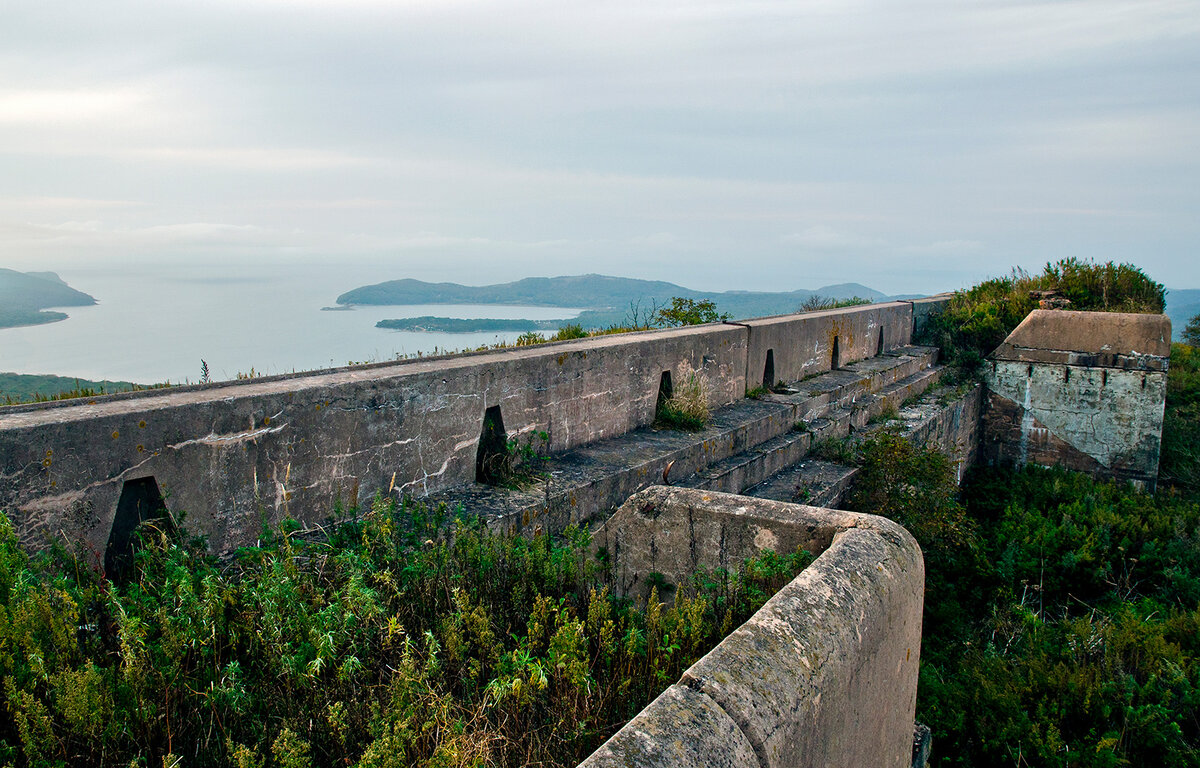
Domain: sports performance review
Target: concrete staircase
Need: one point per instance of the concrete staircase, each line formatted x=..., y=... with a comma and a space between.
x=749, y=444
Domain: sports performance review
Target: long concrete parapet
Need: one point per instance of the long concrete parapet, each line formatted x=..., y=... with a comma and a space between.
x=824, y=674
x=239, y=455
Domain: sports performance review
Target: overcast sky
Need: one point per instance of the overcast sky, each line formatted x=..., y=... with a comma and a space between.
x=910, y=146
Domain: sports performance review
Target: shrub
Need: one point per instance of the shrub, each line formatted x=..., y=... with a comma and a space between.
x=1191, y=332
x=688, y=312
x=978, y=319
x=570, y=331
x=818, y=302
x=409, y=637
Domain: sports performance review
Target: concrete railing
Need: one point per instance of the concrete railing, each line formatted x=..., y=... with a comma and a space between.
x=825, y=674
x=239, y=454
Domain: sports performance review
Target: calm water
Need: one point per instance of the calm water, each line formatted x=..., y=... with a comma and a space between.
x=158, y=326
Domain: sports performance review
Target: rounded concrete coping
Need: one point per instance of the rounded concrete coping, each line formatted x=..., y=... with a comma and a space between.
x=824, y=674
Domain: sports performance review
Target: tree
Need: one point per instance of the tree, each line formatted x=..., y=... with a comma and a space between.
x=1191, y=332
x=688, y=312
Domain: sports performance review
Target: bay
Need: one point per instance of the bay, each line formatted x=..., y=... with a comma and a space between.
x=156, y=325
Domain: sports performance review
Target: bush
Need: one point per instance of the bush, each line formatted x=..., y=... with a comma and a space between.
x=978, y=319
x=817, y=302
x=1191, y=332
x=570, y=331
x=688, y=312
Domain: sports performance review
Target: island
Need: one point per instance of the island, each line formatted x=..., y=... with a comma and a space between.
x=24, y=297
x=604, y=301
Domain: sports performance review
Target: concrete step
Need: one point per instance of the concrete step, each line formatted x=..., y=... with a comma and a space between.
x=940, y=417
x=815, y=482
x=812, y=398
x=751, y=467
x=745, y=443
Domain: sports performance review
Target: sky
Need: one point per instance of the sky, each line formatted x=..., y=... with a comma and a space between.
x=909, y=146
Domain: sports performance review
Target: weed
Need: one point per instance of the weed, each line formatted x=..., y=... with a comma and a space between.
x=888, y=412
x=839, y=451
x=686, y=409
x=757, y=392
x=801, y=426
x=519, y=465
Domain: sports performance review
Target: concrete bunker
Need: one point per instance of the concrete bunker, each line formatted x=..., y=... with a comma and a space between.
x=492, y=456
x=1059, y=364
x=140, y=502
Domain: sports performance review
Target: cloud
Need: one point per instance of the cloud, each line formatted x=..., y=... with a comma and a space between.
x=944, y=248
x=822, y=237
x=532, y=132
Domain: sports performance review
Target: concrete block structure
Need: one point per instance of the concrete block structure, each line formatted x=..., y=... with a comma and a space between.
x=824, y=674
x=240, y=455
x=1081, y=390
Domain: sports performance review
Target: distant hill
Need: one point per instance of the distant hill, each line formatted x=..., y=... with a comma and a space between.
x=609, y=298
x=1182, y=305
x=25, y=295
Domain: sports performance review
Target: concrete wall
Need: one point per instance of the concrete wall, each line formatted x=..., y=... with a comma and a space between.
x=923, y=309
x=825, y=674
x=1106, y=421
x=803, y=345
x=237, y=455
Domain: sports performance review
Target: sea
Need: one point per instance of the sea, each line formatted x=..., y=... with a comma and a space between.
x=157, y=325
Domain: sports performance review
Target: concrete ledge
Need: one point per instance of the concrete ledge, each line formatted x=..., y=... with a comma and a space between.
x=826, y=673
x=680, y=728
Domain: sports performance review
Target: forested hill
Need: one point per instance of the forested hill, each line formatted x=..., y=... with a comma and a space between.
x=594, y=292
x=24, y=296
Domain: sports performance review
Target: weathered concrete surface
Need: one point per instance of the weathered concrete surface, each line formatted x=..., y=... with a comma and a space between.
x=235, y=455
x=240, y=455
x=925, y=308
x=803, y=345
x=945, y=418
x=826, y=673
x=1095, y=339
x=679, y=728
x=746, y=442
x=1083, y=390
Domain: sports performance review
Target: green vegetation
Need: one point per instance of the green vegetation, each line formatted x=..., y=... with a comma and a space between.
x=978, y=319
x=1062, y=613
x=1179, y=463
x=404, y=639
x=27, y=388
x=1191, y=332
x=25, y=295
x=686, y=409
x=817, y=302
x=688, y=312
